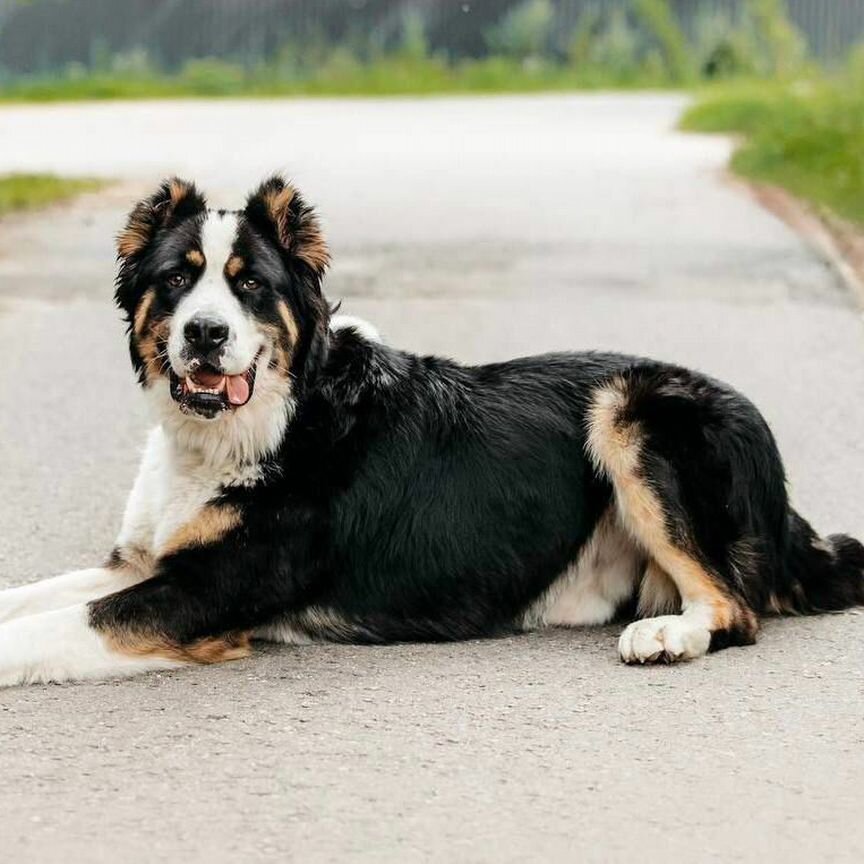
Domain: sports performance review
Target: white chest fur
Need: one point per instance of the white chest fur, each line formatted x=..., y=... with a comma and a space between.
x=172, y=487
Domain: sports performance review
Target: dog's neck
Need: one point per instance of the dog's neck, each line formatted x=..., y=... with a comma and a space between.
x=235, y=443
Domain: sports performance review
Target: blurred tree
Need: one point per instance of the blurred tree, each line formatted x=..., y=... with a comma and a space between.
x=414, y=44
x=523, y=32
x=658, y=21
x=780, y=45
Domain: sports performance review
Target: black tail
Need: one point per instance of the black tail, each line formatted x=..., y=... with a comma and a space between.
x=821, y=575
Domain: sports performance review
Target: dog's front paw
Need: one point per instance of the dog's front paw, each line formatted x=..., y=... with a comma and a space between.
x=666, y=639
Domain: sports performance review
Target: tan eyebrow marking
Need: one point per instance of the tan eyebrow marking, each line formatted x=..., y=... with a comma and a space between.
x=193, y=256
x=234, y=265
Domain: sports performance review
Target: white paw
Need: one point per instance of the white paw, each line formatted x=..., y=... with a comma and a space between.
x=666, y=639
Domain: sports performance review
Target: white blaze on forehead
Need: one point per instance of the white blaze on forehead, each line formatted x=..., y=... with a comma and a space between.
x=218, y=234
x=212, y=297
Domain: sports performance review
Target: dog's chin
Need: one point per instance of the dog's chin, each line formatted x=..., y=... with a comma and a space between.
x=207, y=393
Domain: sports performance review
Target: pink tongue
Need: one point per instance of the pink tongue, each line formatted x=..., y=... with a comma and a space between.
x=237, y=388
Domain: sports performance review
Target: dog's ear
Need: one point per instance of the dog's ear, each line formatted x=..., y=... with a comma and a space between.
x=173, y=201
x=277, y=209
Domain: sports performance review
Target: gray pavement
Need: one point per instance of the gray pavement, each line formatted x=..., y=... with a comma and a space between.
x=480, y=229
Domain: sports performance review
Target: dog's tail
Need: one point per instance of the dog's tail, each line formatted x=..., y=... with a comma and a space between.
x=820, y=574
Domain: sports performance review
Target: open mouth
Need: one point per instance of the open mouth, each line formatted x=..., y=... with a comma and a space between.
x=207, y=391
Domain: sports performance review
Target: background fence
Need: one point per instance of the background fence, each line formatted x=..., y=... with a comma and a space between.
x=47, y=36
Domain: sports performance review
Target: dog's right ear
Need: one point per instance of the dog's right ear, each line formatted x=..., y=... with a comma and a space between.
x=172, y=202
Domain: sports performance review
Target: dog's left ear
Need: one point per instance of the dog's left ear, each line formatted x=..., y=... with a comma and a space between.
x=278, y=209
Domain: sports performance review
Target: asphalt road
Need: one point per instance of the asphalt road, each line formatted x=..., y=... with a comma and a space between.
x=480, y=229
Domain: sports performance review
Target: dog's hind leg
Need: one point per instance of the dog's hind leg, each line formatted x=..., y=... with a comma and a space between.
x=653, y=471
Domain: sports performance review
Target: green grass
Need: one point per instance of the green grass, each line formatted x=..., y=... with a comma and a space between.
x=27, y=191
x=340, y=75
x=806, y=136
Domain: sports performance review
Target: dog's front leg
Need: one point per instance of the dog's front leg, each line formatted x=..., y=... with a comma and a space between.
x=79, y=586
x=163, y=623
x=218, y=582
x=62, y=645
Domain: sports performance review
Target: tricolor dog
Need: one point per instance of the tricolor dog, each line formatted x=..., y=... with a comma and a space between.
x=306, y=482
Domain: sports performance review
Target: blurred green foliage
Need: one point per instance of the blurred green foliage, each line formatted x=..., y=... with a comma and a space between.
x=524, y=31
x=806, y=134
x=639, y=44
x=659, y=22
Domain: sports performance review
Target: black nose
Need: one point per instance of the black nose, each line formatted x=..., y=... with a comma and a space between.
x=206, y=334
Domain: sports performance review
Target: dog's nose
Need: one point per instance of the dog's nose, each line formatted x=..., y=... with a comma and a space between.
x=206, y=334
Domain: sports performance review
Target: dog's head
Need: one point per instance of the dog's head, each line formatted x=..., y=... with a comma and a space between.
x=224, y=307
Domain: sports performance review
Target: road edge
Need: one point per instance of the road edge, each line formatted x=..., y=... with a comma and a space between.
x=838, y=242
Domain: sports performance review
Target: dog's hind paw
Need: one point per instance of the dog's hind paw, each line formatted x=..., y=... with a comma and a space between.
x=666, y=639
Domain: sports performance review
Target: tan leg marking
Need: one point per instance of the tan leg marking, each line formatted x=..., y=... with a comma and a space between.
x=216, y=649
x=615, y=445
x=134, y=558
x=209, y=526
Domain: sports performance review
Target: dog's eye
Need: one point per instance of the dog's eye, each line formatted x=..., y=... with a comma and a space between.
x=250, y=284
x=176, y=280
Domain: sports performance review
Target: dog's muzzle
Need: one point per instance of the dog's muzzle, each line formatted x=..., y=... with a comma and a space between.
x=206, y=390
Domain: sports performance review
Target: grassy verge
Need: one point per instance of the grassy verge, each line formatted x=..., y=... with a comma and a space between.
x=806, y=136
x=27, y=191
x=341, y=75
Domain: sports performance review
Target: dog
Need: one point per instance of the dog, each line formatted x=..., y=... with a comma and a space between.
x=306, y=482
